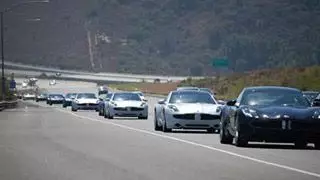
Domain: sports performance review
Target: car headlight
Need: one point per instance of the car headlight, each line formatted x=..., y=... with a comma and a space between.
x=113, y=103
x=98, y=101
x=316, y=114
x=250, y=112
x=173, y=108
x=218, y=110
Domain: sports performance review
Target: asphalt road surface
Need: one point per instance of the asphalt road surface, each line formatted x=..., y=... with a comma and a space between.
x=39, y=142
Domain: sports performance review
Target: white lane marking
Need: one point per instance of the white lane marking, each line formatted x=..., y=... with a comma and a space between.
x=196, y=144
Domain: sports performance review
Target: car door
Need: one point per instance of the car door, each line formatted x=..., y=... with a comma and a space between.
x=161, y=109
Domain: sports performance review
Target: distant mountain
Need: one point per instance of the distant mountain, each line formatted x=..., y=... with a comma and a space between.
x=178, y=37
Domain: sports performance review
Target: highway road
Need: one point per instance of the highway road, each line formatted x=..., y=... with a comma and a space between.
x=40, y=142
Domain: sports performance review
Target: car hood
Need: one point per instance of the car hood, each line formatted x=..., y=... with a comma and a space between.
x=292, y=112
x=128, y=103
x=198, y=108
x=94, y=101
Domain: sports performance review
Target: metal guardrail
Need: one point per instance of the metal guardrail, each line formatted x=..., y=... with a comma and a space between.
x=8, y=104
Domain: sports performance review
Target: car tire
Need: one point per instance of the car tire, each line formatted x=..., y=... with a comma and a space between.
x=100, y=113
x=73, y=109
x=105, y=115
x=142, y=117
x=50, y=103
x=300, y=144
x=37, y=100
x=240, y=140
x=164, y=126
x=156, y=125
x=225, y=136
x=64, y=106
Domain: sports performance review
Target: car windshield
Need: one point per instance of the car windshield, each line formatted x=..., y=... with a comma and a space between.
x=73, y=95
x=56, y=96
x=310, y=95
x=126, y=97
x=191, y=97
x=274, y=97
x=86, y=96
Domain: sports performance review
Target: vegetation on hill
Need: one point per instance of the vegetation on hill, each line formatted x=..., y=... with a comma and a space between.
x=170, y=36
x=229, y=87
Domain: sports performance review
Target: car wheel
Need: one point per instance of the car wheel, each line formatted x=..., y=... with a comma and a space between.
x=156, y=125
x=225, y=136
x=105, y=115
x=37, y=100
x=240, y=140
x=300, y=144
x=64, y=105
x=164, y=126
x=100, y=113
x=73, y=109
x=50, y=103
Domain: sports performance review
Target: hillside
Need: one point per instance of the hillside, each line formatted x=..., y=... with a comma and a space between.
x=178, y=37
x=229, y=87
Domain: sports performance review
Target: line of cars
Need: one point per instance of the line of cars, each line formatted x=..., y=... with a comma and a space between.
x=258, y=114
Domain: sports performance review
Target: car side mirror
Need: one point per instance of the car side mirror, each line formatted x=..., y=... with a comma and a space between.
x=162, y=101
x=232, y=103
x=145, y=100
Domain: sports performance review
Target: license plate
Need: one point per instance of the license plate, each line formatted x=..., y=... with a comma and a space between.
x=87, y=104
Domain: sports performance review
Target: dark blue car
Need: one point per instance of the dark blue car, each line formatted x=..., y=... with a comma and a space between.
x=104, y=98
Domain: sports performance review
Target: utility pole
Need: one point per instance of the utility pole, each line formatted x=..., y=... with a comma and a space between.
x=3, y=83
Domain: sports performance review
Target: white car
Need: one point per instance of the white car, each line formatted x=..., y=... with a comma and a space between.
x=85, y=101
x=52, y=83
x=28, y=96
x=126, y=104
x=187, y=110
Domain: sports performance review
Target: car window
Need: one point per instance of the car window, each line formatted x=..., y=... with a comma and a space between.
x=126, y=97
x=192, y=97
x=274, y=97
x=86, y=96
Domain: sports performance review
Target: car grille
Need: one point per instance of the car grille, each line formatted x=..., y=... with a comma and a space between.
x=120, y=109
x=128, y=109
x=184, y=116
x=273, y=124
x=88, y=104
x=209, y=117
x=136, y=109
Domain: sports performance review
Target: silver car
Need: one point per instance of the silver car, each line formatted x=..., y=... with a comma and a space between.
x=187, y=110
x=85, y=101
x=126, y=104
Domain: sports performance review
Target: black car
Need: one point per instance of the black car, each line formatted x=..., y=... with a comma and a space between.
x=270, y=114
x=68, y=99
x=55, y=99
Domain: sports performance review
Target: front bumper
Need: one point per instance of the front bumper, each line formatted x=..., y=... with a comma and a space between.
x=56, y=101
x=129, y=111
x=281, y=130
x=193, y=121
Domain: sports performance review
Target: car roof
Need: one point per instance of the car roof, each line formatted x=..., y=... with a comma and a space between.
x=272, y=87
x=194, y=91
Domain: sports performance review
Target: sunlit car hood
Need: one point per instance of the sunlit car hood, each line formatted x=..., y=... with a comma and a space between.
x=198, y=108
x=93, y=101
x=292, y=112
x=128, y=103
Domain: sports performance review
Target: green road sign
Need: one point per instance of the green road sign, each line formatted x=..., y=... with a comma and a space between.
x=220, y=62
